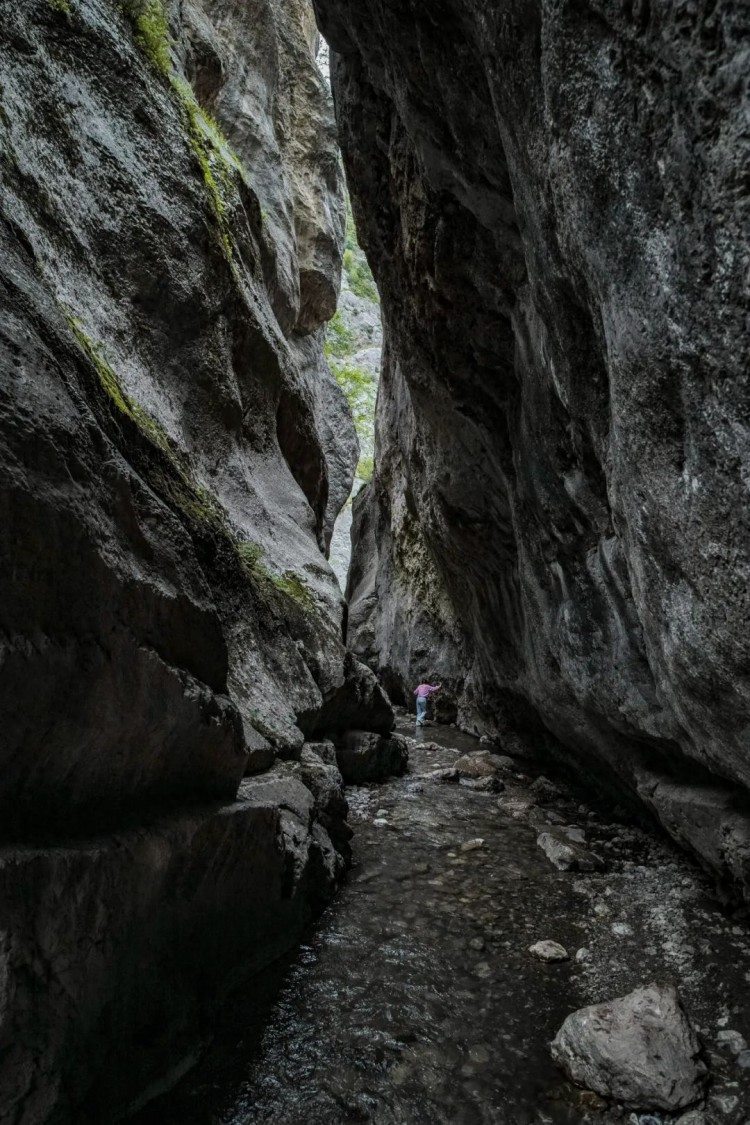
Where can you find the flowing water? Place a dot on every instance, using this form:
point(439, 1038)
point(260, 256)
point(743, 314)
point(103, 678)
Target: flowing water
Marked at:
point(415, 998)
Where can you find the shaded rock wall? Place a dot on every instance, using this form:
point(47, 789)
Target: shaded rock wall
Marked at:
point(552, 199)
point(173, 453)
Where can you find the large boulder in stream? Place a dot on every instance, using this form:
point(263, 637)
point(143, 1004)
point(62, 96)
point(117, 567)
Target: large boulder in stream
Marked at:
point(363, 756)
point(639, 1049)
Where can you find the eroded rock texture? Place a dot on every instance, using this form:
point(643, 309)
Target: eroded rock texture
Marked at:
point(553, 201)
point(173, 453)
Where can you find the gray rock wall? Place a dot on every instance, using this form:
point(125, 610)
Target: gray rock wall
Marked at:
point(173, 453)
point(553, 203)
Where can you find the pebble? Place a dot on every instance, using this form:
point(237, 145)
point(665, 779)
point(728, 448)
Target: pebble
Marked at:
point(621, 929)
point(472, 845)
point(549, 951)
point(743, 1060)
point(730, 1040)
point(483, 969)
point(378, 822)
point(477, 943)
point(724, 1103)
point(583, 954)
point(421, 868)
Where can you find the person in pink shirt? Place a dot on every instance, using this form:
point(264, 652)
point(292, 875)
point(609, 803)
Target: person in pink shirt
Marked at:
point(423, 693)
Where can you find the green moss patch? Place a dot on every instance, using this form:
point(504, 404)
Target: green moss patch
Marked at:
point(340, 340)
point(151, 29)
point(216, 159)
point(290, 584)
point(196, 501)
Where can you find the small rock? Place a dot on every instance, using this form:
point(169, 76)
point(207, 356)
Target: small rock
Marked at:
point(472, 845)
point(544, 790)
point(583, 954)
point(477, 943)
point(731, 1041)
point(503, 762)
point(421, 868)
point(724, 1103)
point(482, 784)
point(621, 929)
point(638, 1049)
point(549, 951)
point(483, 969)
point(692, 1117)
point(554, 817)
point(445, 776)
point(379, 822)
point(478, 764)
point(565, 853)
point(743, 1060)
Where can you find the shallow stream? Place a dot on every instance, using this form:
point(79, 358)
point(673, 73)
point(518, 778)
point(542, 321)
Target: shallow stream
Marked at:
point(415, 999)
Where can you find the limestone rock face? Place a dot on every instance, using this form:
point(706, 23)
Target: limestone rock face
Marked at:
point(173, 453)
point(121, 947)
point(552, 203)
point(639, 1049)
point(174, 448)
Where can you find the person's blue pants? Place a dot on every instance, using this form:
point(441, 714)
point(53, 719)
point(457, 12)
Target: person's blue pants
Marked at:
point(421, 709)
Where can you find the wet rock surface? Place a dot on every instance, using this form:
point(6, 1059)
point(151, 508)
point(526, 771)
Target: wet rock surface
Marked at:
point(416, 998)
point(552, 201)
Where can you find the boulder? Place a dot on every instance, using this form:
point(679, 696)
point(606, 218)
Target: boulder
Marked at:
point(365, 756)
point(357, 701)
point(638, 1049)
point(318, 771)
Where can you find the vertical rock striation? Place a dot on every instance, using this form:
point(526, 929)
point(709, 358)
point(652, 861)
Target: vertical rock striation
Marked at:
point(553, 202)
point(173, 453)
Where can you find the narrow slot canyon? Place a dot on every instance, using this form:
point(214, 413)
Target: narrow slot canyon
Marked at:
point(350, 352)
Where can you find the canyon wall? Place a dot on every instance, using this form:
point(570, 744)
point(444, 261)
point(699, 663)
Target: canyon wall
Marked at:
point(173, 454)
point(554, 202)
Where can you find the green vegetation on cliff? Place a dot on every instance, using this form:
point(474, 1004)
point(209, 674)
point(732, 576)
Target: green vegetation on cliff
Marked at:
point(358, 272)
point(217, 160)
